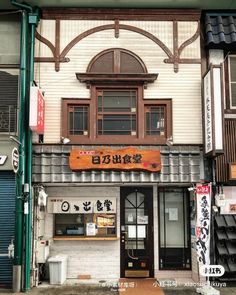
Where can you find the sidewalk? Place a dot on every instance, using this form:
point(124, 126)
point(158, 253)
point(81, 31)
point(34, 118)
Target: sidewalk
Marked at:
point(99, 290)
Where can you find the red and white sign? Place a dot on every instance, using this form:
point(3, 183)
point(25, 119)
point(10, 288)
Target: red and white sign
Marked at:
point(36, 120)
point(202, 231)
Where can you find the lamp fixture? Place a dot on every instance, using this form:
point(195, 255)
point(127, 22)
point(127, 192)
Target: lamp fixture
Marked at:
point(192, 188)
point(65, 140)
point(169, 141)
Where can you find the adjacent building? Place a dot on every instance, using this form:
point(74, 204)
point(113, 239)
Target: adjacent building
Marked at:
point(219, 29)
point(9, 77)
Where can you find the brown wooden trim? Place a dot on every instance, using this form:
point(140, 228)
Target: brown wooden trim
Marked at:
point(175, 46)
point(183, 60)
point(230, 111)
point(114, 78)
point(227, 86)
point(117, 28)
point(74, 238)
point(172, 58)
point(116, 65)
point(122, 14)
point(190, 40)
point(112, 26)
point(46, 42)
point(50, 59)
point(85, 34)
point(93, 113)
point(149, 36)
point(57, 46)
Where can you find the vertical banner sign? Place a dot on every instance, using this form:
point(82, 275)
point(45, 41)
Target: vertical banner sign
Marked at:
point(213, 111)
point(203, 196)
point(36, 120)
point(208, 113)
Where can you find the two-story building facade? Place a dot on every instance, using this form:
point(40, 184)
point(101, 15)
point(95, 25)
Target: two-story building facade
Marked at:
point(122, 141)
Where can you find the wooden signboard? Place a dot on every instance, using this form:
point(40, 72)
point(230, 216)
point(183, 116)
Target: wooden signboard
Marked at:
point(121, 159)
point(232, 171)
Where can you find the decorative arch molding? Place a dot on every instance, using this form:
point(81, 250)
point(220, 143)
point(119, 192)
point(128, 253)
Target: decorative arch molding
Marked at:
point(173, 58)
point(116, 62)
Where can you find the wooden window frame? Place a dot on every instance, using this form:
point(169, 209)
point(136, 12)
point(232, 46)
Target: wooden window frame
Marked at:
point(139, 138)
point(167, 122)
point(230, 82)
point(228, 107)
point(66, 102)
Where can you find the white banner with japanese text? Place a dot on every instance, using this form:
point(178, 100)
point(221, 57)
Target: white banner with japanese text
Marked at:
point(203, 198)
point(74, 205)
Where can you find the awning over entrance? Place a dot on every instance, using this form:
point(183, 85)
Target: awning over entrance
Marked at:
point(220, 30)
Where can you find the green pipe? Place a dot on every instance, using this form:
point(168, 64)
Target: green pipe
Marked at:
point(24, 6)
point(18, 241)
point(28, 230)
point(24, 238)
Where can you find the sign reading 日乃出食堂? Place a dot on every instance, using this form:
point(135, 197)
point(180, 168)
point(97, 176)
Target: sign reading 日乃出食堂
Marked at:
point(118, 159)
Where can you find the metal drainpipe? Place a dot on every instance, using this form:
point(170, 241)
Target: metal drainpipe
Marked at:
point(24, 153)
point(33, 21)
point(20, 178)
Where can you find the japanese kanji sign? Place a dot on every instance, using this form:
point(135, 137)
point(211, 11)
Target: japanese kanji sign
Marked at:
point(120, 159)
point(213, 111)
point(203, 195)
point(37, 106)
point(86, 205)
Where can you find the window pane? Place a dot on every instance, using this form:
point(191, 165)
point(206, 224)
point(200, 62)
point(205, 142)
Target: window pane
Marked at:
point(78, 120)
point(117, 112)
point(233, 69)
point(10, 40)
point(8, 99)
point(117, 124)
point(118, 101)
point(233, 94)
point(155, 120)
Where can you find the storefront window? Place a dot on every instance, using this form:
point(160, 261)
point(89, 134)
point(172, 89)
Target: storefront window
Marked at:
point(83, 217)
point(85, 225)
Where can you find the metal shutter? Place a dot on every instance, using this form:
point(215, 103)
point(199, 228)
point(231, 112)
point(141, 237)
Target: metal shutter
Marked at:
point(7, 224)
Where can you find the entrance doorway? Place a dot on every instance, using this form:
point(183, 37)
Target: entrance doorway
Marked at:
point(174, 229)
point(137, 232)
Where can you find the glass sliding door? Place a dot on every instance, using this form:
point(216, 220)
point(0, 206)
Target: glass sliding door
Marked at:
point(174, 229)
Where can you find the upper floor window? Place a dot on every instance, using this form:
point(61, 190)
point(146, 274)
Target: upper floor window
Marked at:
point(8, 100)
point(10, 39)
point(116, 111)
point(232, 81)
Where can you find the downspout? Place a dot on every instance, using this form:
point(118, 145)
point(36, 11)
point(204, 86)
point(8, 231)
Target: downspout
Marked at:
point(32, 19)
point(20, 178)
